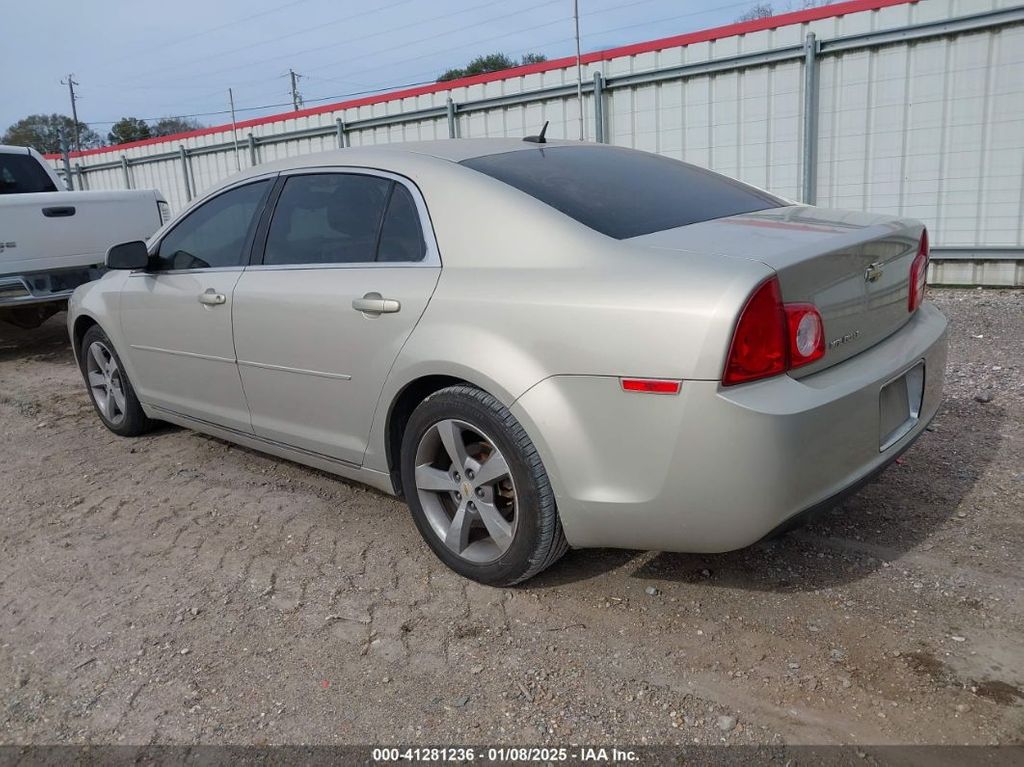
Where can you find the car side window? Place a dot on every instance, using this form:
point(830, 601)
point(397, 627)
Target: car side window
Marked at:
point(401, 235)
point(215, 234)
point(327, 218)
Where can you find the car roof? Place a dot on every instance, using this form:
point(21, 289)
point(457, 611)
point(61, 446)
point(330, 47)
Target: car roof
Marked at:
point(459, 149)
point(448, 150)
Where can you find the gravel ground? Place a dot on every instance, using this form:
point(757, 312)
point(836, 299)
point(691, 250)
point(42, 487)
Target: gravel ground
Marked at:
point(177, 589)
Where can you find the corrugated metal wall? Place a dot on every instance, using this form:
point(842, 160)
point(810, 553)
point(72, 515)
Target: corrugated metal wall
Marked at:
point(934, 131)
point(931, 128)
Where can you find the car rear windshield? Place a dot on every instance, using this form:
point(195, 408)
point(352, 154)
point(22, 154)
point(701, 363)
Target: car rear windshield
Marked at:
point(621, 192)
point(21, 173)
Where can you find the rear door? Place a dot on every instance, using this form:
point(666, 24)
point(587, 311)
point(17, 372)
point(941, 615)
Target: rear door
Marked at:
point(348, 265)
point(176, 315)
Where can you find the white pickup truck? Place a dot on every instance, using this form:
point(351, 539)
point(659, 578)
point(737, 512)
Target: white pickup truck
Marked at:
point(52, 240)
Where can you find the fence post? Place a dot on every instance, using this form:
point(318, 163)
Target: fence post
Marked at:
point(810, 147)
point(184, 171)
point(599, 131)
point(254, 159)
point(125, 173)
point(452, 127)
point(342, 137)
point(80, 172)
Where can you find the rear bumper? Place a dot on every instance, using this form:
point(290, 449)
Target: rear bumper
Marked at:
point(46, 286)
point(715, 469)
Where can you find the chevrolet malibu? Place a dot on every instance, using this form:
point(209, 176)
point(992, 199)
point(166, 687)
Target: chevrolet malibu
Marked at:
point(536, 344)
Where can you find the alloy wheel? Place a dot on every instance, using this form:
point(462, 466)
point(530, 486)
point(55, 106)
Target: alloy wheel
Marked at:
point(106, 383)
point(466, 490)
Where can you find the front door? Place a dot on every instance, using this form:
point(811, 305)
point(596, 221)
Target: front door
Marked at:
point(347, 270)
point(176, 315)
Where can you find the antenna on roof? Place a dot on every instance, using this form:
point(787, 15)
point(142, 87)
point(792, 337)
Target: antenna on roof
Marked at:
point(539, 139)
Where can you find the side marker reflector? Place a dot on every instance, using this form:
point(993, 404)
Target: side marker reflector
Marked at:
point(651, 385)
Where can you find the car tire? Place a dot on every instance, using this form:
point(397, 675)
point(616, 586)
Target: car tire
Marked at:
point(103, 372)
point(492, 552)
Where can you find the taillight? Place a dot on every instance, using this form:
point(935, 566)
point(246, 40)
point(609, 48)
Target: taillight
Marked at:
point(758, 347)
point(772, 337)
point(918, 274)
point(806, 334)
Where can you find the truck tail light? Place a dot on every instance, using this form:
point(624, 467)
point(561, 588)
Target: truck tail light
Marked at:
point(918, 274)
point(772, 337)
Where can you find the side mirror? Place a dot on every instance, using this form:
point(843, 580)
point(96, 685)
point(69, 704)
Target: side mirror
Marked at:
point(128, 255)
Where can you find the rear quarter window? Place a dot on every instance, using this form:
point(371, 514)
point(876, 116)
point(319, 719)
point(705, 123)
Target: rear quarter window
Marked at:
point(619, 192)
point(21, 174)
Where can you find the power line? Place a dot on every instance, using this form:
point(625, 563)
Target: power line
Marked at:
point(357, 38)
point(296, 96)
point(214, 112)
point(455, 30)
point(275, 40)
point(476, 43)
point(235, 22)
point(390, 30)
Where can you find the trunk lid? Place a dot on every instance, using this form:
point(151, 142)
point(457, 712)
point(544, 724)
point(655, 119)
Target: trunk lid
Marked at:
point(854, 267)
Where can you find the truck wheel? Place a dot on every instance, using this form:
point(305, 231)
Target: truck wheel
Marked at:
point(109, 388)
point(29, 317)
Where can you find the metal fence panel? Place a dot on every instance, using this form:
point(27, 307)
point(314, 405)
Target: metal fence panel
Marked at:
point(918, 110)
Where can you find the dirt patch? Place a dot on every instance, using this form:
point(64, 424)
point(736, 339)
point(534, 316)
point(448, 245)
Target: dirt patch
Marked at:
point(998, 692)
point(927, 664)
point(177, 589)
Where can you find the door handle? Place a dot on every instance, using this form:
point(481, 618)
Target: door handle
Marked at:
point(212, 298)
point(374, 304)
point(59, 211)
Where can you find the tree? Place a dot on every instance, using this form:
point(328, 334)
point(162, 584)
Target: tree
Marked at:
point(168, 126)
point(128, 129)
point(759, 11)
point(493, 62)
point(532, 58)
point(765, 10)
point(42, 133)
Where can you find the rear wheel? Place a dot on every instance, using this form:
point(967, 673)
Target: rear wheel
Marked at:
point(477, 489)
point(109, 388)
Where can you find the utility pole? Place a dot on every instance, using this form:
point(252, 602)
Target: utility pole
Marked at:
point(296, 96)
point(579, 65)
point(70, 82)
point(234, 129)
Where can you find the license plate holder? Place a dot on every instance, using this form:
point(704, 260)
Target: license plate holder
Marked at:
point(899, 406)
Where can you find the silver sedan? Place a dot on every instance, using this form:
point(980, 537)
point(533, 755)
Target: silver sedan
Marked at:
point(537, 344)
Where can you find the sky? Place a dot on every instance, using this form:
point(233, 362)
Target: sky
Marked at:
point(152, 60)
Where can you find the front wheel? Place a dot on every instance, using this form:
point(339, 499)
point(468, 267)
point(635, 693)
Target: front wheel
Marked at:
point(477, 489)
point(109, 388)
